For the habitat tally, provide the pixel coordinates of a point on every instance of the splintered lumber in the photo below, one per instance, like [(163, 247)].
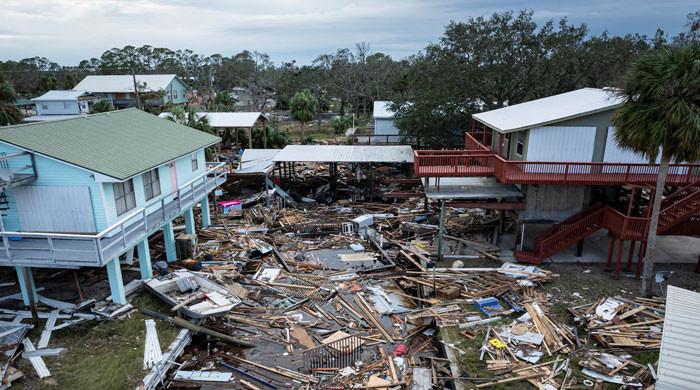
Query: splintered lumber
[(279, 371), (37, 362), (367, 311), (196, 328), (187, 301)]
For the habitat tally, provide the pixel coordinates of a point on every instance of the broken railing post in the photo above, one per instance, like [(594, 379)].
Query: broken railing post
[(26, 282)]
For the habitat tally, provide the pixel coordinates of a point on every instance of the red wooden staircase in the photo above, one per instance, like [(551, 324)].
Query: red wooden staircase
[(679, 212)]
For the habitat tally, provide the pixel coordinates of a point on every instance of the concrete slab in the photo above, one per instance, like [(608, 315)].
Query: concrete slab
[(669, 249)]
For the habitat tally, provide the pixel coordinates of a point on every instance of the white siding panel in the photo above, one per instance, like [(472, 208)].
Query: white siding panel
[(385, 127), (679, 357), (55, 209), (559, 144)]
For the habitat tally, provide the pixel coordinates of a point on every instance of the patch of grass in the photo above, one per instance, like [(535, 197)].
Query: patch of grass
[(647, 357), (100, 355)]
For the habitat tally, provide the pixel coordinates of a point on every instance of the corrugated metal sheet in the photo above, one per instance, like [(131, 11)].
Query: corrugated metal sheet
[(679, 358), (256, 161), (346, 153), (55, 209), (551, 109), (559, 143)]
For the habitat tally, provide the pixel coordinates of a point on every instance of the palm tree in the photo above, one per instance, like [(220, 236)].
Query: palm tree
[(661, 115), (9, 113), (303, 107)]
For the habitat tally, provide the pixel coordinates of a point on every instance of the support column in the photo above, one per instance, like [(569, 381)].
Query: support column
[(441, 232), (116, 284), (169, 238), (189, 221), (640, 260), (630, 255), (618, 264), (145, 259), (23, 287), (608, 267), (579, 248), (206, 217)]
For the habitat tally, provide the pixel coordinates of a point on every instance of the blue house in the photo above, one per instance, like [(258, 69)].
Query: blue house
[(156, 89), (82, 192)]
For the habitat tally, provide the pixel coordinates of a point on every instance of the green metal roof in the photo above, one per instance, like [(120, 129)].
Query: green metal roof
[(119, 144)]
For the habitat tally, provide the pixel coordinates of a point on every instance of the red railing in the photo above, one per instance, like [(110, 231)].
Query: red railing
[(452, 163)]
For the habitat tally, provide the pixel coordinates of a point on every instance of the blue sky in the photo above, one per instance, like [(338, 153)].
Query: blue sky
[(67, 31)]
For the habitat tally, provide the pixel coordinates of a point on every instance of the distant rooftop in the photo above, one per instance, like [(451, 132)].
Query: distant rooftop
[(382, 110), (60, 95), (552, 109), (345, 154), (227, 119), (124, 83)]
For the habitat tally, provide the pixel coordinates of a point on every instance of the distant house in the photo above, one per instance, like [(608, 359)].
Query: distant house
[(54, 105), (224, 122), (156, 89), (82, 192), (384, 119)]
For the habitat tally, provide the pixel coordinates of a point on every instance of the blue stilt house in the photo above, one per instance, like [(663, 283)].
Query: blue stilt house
[(82, 192)]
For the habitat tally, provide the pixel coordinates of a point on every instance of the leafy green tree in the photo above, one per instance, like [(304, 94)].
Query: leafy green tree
[(9, 113), (46, 83), (303, 108), (489, 62), (341, 123), (190, 116), (661, 116), (102, 106), (70, 80), (225, 101)]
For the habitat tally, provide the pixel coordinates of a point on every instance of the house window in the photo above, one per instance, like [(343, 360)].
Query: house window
[(151, 184), (175, 94), (44, 106), (195, 163), (520, 143), (124, 196)]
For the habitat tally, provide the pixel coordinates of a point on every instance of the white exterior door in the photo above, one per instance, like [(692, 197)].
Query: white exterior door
[(55, 209)]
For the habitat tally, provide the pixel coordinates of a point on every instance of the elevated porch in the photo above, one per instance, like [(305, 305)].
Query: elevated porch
[(56, 250)]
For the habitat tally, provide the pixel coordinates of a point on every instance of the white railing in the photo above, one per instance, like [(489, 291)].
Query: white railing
[(97, 249)]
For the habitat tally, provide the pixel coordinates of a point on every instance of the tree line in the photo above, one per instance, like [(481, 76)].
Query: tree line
[(479, 64)]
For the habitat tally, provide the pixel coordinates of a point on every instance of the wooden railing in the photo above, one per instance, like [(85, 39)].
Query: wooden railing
[(484, 162), (76, 250)]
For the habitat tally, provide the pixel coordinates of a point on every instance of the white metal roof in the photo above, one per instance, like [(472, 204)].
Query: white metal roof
[(382, 110), (59, 95), (679, 357), (226, 119), (550, 110), (346, 153), (124, 83), (256, 161)]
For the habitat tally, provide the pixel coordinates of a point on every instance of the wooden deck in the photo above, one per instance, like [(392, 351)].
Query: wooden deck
[(478, 160), (85, 250)]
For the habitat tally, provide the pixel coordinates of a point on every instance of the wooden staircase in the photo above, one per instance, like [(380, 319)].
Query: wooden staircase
[(680, 213)]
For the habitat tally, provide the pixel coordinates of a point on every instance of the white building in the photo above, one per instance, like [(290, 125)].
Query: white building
[(384, 119), (57, 104)]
